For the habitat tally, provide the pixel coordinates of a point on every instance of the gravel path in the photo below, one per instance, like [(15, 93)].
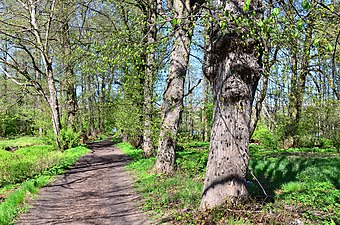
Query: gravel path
[(96, 190)]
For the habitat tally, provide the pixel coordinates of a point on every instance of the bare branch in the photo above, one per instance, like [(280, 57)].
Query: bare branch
[(12, 78), (193, 88)]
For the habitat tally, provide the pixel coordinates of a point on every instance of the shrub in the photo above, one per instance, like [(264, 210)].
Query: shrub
[(265, 137), (69, 138)]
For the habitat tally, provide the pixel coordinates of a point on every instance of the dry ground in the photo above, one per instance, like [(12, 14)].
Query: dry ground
[(96, 190)]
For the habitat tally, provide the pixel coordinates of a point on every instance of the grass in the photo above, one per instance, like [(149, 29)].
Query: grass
[(20, 142), (301, 185), (25, 170)]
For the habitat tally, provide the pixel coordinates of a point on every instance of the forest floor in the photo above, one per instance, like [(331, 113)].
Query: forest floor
[(96, 190)]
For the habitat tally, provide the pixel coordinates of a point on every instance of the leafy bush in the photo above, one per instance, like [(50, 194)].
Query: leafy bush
[(326, 143), (265, 136), (21, 142), (69, 138)]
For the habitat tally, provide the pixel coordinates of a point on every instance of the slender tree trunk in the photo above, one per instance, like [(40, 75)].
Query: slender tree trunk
[(205, 135), (44, 48), (71, 100), (53, 102), (333, 79), (148, 82), (258, 107), (102, 103), (174, 93), (90, 106), (298, 89), (69, 79), (233, 66)]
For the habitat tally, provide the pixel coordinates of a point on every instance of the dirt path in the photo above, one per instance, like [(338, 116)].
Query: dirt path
[(96, 190)]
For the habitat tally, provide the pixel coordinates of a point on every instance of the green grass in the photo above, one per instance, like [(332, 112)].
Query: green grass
[(20, 142), (25, 170), (301, 184), (163, 195), (26, 162)]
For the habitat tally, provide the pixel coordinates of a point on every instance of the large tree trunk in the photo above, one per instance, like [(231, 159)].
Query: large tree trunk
[(233, 67), (149, 78), (174, 92)]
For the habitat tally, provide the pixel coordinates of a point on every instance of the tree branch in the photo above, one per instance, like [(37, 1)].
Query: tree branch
[(192, 89)]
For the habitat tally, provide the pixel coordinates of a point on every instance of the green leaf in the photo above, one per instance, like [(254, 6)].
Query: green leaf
[(246, 5), (300, 25), (174, 22), (223, 24), (330, 48), (305, 4), (276, 11), (260, 24), (296, 34)]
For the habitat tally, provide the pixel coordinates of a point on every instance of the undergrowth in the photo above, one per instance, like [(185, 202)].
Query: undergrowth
[(298, 186), (20, 142), (25, 170)]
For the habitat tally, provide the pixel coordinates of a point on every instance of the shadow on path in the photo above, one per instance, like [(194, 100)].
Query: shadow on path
[(96, 190)]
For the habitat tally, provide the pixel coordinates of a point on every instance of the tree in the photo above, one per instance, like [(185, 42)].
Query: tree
[(150, 72), (30, 34), (233, 66), (68, 80), (172, 108)]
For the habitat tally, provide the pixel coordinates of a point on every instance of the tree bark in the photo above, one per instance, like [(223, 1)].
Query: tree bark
[(174, 93), (298, 86), (149, 80), (53, 102), (205, 136), (69, 76), (258, 107), (232, 65), (43, 44)]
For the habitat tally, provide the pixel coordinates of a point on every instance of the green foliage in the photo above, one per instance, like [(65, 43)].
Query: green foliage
[(69, 138), (265, 136), (26, 162), (305, 4), (314, 126), (192, 160), (21, 142), (246, 6), (305, 178)]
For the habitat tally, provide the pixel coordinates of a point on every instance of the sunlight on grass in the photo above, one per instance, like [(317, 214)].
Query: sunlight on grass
[(21, 142), (306, 181), (35, 166)]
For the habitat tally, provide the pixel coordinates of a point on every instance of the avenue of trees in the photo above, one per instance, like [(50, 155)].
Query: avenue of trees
[(160, 71)]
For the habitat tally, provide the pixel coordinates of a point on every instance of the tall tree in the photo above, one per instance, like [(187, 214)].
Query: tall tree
[(150, 72), (233, 66), (66, 12), (172, 107), (30, 33)]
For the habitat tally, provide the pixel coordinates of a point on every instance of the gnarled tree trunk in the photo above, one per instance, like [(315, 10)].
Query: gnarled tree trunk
[(233, 67)]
